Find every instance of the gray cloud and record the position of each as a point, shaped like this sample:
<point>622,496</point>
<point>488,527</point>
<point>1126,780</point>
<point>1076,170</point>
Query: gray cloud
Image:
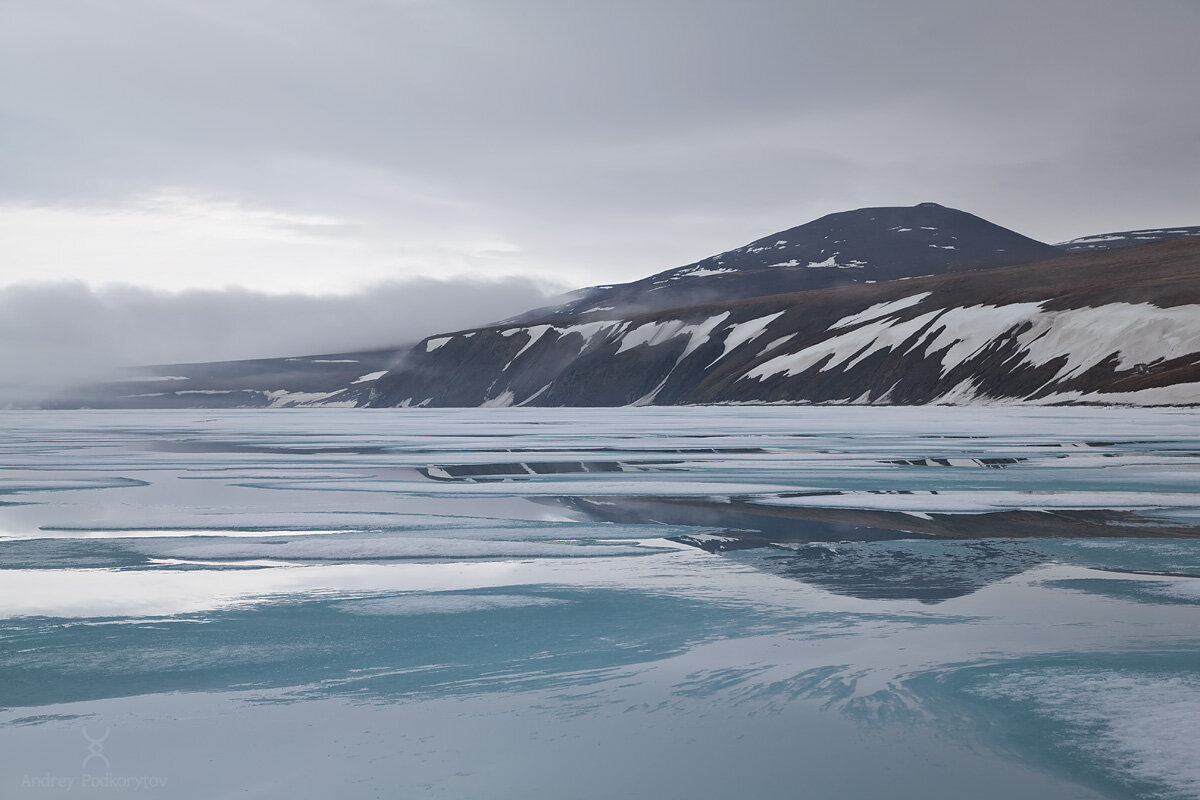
<point>607,140</point>
<point>57,335</point>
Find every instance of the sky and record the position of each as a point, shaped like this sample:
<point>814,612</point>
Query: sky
<point>346,153</point>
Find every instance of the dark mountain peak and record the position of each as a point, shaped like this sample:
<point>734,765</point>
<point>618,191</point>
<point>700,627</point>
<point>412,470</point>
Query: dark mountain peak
<point>886,220</point>
<point>884,243</point>
<point>865,245</point>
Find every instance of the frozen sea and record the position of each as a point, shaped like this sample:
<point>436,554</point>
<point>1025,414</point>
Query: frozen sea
<point>694,603</point>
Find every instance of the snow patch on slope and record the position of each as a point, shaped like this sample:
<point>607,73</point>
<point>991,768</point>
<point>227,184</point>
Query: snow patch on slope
<point>1133,333</point>
<point>651,334</point>
<point>656,333</point>
<point>829,263</point>
<point>1177,394</point>
<point>701,272</point>
<point>879,310</point>
<point>742,332</point>
<point>535,335</point>
<point>503,400</point>
<point>281,398</point>
<point>845,350</point>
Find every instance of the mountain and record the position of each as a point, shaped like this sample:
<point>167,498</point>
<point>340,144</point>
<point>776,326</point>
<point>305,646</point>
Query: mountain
<point>868,245</point>
<point>1112,326</point>
<point>921,304</point>
<point>1115,241</point>
<point>331,379</point>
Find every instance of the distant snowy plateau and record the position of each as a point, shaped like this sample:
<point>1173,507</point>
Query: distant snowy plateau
<point>875,306</point>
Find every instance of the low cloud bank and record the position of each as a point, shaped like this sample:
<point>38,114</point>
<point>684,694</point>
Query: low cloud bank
<point>62,334</point>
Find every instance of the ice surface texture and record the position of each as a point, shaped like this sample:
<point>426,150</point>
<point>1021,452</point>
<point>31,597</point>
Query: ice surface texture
<point>507,602</point>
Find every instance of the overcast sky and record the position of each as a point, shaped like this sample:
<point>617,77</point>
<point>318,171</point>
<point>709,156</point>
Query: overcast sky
<point>296,146</point>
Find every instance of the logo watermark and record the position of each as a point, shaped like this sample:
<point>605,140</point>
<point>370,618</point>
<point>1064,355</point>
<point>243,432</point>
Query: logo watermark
<point>94,758</point>
<point>96,748</point>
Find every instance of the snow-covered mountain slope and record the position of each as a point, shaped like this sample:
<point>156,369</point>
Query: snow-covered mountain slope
<point>1119,239</point>
<point>1120,326</point>
<point>331,379</point>
<point>867,245</point>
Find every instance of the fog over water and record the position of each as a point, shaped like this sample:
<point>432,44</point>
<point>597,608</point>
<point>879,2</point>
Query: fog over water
<point>59,335</point>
